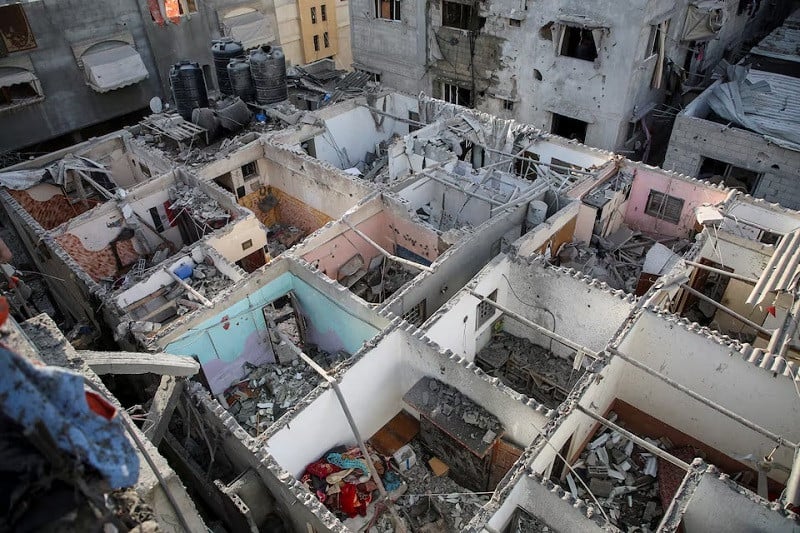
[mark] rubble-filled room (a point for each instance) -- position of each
(374, 250)
(354, 135)
(249, 345)
(460, 198)
(117, 243)
(534, 326)
(643, 395)
(440, 445)
(634, 226)
(153, 298)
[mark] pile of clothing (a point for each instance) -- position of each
(341, 480)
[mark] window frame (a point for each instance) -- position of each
(658, 206)
(326, 40)
(485, 312)
(465, 15)
(246, 170)
(313, 14)
(452, 90)
(323, 12)
(316, 43)
(394, 10)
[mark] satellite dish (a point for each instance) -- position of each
(155, 105)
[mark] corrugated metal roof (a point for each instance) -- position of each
(782, 271)
(778, 110)
(783, 42)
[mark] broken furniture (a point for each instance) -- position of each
(456, 429)
(174, 127)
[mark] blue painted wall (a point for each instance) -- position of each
(238, 334)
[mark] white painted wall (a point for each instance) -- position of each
(374, 387)
(717, 505)
(530, 494)
(720, 374)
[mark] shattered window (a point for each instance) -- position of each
(325, 39)
(456, 95)
(316, 43)
(313, 15)
(455, 15)
(578, 43)
(387, 9)
(664, 206)
(249, 170)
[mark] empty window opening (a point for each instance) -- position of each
(720, 172)
(249, 170)
(568, 127)
(157, 223)
(240, 192)
(664, 207)
(508, 105)
(247, 244)
(578, 43)
(325, 40)
(455, 15)
(323, 12)
(485, 310)
(316, 43)
(19, 93)
(313, 15)
(387, 9)
(413, 115)
(655, 43)
(456, 95)
(514, 22)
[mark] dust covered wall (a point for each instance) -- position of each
(314, 183)
(709, 367)
(586, 314)
(237, 332)
(288, 210)
(532, 495)
(719, 505)
(453, 327)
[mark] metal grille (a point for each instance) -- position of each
(664, 206)
(485, 310)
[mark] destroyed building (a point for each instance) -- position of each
(589, 71)
(397, 310)
(110, 70)
(742, 130)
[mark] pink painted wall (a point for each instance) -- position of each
(693, 194)
(415, 237)
(335, 252)
(383, 228)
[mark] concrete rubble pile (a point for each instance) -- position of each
(267, 392)
(281, 237)
(453, 503)
(528, 368)
(206, 280)
(623, 478)
(199, 205)
(380, 283)
(619, 259)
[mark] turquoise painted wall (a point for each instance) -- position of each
(238, 333)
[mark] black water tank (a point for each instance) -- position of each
(241, 80)
(188, 87)
(223, 50)
(268, 67)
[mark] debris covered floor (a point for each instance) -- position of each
(528, 368)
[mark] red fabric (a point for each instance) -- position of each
(349, 502)
(322, 469)
(99, 405)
